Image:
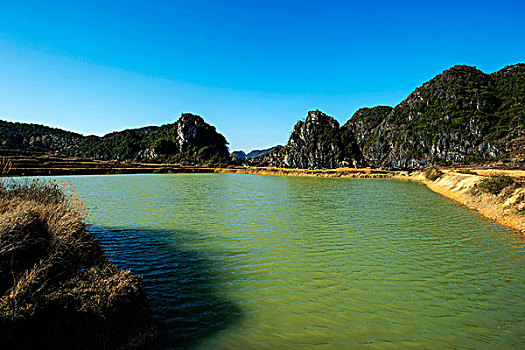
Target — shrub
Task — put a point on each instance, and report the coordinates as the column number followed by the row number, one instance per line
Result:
column 432, row 173
column 494, row 184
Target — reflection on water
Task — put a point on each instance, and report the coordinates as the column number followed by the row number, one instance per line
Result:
column 180, row 285
column 266, row 262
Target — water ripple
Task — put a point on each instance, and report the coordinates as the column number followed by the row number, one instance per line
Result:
column 254, row 262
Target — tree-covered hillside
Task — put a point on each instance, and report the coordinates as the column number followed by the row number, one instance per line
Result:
column 461, row 116
column 189, row 140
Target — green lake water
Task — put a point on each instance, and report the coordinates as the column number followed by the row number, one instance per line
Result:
column 266, row 262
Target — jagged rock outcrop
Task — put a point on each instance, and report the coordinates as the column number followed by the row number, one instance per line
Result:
column 191, row 140
column 318, row 142
column 460, row 116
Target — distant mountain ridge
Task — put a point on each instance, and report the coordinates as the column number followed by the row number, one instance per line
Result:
column 241, row 156
column 461, row 116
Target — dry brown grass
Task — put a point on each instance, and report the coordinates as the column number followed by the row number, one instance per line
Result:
column 339, row 172
column 5, row 166
column 55, row 282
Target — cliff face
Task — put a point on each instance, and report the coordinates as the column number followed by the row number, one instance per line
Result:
column 363, row 123
column 318, row 142
column 460, row 116
column 190, row 139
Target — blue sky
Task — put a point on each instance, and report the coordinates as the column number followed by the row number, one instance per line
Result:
column 250, row 68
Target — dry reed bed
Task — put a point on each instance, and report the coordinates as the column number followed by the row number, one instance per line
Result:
column 57, row 290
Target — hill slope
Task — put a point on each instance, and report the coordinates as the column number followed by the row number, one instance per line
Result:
column 318, row 142
column 461, row 116
column 190, row 140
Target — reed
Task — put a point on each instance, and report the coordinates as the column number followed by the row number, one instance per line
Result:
column 57, row 289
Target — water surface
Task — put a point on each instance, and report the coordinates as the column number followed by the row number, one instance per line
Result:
column 266, row 262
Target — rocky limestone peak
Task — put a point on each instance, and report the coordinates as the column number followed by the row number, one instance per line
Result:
column 317, row 142
column 513, row 68
column 461, row 87
column 187, row 128
column 316, row 124
column 509, row 83
column 456, row 117
column 320, row 118
column 363, row 125
column 238, row 156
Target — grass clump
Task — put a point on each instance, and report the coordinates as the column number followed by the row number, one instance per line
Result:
column 57, row 289
column 432, row 173
column 494, row 184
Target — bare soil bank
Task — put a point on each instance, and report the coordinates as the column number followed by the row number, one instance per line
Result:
column 506, row 208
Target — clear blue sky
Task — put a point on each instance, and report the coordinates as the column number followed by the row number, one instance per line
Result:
column 251, row 68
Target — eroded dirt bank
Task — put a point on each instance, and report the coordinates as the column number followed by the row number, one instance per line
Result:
column 506, row 208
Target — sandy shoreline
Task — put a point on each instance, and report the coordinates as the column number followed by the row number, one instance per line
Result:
column 461, row 187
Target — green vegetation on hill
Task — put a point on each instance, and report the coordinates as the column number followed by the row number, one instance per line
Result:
column 461, row 116
column 189, row 140
column 123, row 145
column 39, row 138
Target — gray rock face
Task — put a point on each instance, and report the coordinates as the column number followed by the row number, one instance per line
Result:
column 190, row 139
column 318, row 142
column 187, row 129
column 457, row 117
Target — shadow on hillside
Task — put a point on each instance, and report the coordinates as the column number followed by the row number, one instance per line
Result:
column 182, row 286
